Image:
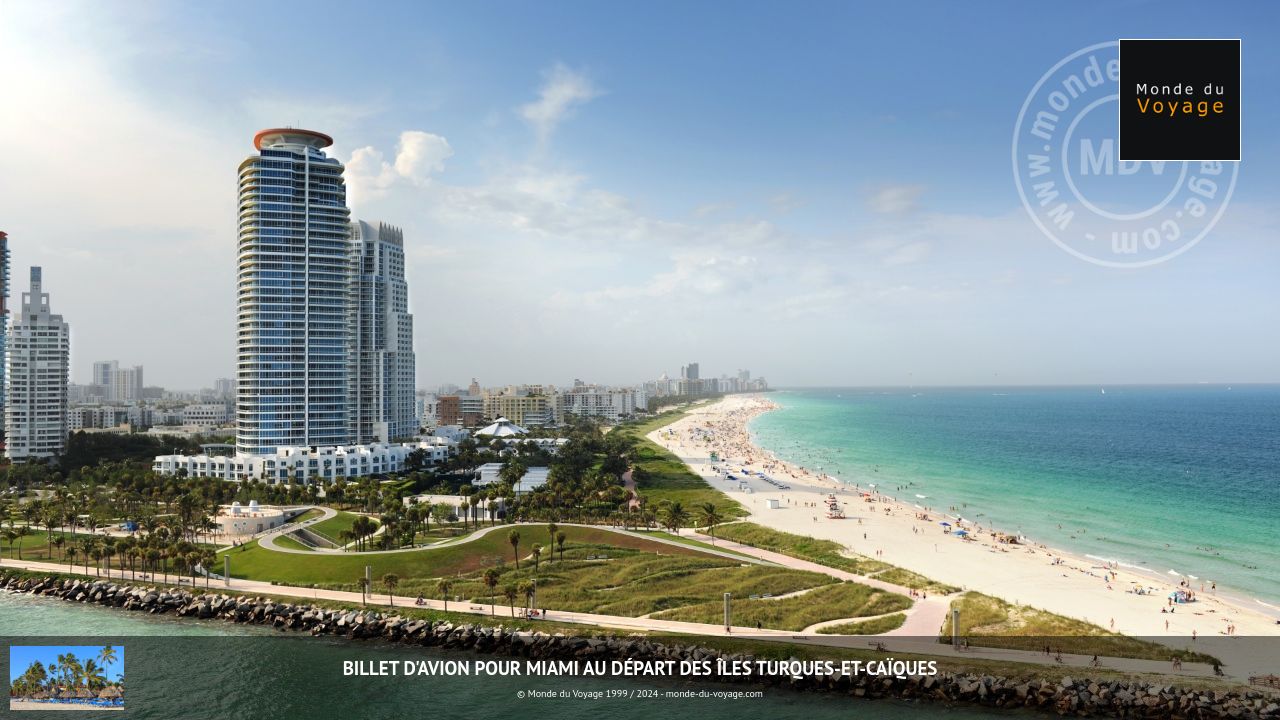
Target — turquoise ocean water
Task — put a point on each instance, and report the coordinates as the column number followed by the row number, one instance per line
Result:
column 1182, row 478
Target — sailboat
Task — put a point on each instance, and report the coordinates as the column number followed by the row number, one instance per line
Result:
column 1104, row 391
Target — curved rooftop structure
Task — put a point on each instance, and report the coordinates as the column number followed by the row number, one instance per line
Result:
column 502, row 428
column 291, row 136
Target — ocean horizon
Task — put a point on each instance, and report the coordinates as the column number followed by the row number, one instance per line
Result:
column 1160, row 478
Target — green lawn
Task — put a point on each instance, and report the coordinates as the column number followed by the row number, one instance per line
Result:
column 336, row 525
column 287, row 541
column 877, row 626
column 831, row 602
column 826, row 552
column 992, row 622
column 665, row 477
column 255, row 562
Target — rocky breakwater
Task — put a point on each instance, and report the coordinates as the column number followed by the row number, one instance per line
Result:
column 1065, row 696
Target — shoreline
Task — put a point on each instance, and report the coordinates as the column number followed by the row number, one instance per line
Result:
column 1106, row 697
column 1231, row 595
column 908, row 536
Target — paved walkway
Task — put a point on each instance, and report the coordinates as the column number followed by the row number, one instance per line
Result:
column 891, row 645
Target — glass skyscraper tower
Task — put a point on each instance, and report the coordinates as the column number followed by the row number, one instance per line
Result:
column 292, row 295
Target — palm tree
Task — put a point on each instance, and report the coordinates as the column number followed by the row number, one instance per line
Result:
column 444, row 585
column 527, row 590
column 107, row 655
column 58, row 542
column 537, row 554
column 513, row 537
column 491, row 581
column 71, row 557
column 710, row 518
column 364, row 589
column 560, row 538
column 510, row 592
column 674, row 516
column 391, row 580
column 552, row 528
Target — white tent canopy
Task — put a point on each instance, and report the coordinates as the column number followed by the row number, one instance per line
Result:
column 502, row 428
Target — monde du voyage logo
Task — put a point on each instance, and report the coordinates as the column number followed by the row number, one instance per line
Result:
column 1124, row 153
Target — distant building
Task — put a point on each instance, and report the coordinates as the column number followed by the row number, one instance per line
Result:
column 117, row 385
column 38, row 372
column 611, row 404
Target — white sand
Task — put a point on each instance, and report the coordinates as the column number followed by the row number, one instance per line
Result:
column 1018, row 573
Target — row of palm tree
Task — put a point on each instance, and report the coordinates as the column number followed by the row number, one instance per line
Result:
column 68, row 673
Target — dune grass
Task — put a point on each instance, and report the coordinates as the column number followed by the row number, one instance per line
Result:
column 663, row 476
column 991, row 622
column 830, row 602
column 828, row 553
column 875, row 626
column 254, row 562
column 631, row 583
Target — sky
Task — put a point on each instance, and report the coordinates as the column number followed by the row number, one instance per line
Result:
column 21, row 657
column 820, row 193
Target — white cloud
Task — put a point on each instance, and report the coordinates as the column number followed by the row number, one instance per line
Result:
column 895, row 199
column 562, row 90
column 419, row 155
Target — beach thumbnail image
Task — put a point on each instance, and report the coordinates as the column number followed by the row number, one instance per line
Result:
column 66, row 677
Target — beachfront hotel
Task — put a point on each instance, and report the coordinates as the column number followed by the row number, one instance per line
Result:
column 39, row 353
column 292, row 295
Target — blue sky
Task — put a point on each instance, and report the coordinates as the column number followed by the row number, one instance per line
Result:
column 21, row 657
column 608, row 191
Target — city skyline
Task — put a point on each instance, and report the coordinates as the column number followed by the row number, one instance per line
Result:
column 760, row 207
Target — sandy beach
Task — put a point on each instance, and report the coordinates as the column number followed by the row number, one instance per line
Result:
column 900, row 532
column 33, row 705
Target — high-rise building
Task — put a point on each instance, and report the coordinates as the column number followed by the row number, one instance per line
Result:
column 116, row 385
column 292, row 302
column 38, row 372
column 381, row 332
column 4, row 319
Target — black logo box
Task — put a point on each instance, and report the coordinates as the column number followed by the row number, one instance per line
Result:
column 1186, row 65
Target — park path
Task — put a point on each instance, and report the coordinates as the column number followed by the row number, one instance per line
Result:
column 650, row 625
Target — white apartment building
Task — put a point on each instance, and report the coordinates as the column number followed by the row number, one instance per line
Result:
column 206, row 414
column 610, row 404
column 36, row 385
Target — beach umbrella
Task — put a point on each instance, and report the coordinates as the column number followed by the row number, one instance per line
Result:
column 962, row 532
column 947, row 524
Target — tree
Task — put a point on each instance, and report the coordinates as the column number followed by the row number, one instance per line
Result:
column 674, row 516
column 513, row 537
column 552, row 529
column 391, row 580
column 711, row 517
column 491, row 581
column 537, row 554
column 560, row 538
column 364, row 589
column 511, row 592
column 443, row 586
column 527, row 590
